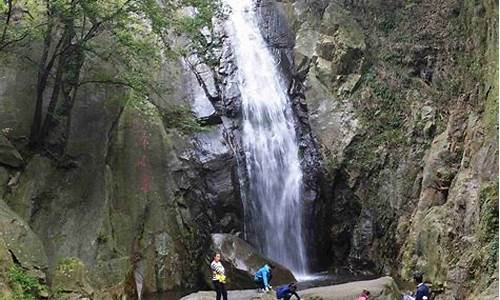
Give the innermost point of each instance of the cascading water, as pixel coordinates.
(270, 145)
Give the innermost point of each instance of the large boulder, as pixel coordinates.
(22, 256)
(242, 261)
(22, 243)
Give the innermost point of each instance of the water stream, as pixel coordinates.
(275, 211)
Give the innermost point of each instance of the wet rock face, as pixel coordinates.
(403, 182)
(241, 261)
(278, 33)
(216, 179)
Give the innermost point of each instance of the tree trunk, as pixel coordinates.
(42, 77)
(57, 124)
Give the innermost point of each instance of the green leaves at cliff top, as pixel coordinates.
(132, 38)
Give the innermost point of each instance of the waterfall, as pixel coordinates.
(269, 140)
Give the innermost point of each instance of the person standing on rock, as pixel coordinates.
(218, 277)
(263, 277)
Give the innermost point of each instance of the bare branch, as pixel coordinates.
(105, 81)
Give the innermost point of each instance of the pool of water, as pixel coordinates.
(325, 279)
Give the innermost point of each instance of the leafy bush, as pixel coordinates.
(488, 224)
(182, 118)
(24, 287)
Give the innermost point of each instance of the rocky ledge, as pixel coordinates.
(383, 288)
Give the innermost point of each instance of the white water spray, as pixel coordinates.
(274, 190)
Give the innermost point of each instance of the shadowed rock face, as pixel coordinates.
(242, 261)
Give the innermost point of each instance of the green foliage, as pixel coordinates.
(33, 25)
(387, 25)
(182, 117)
(133, 39)
(103, 238)
(389, 21)
(24, 287)
(488, 223)
(197, 29)
(489, 213)
(388, 106)
(491, 105)
(384, 114)
(392, 57)
(68, 265)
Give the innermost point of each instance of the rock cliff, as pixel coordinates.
(402, 96)
(396, 107)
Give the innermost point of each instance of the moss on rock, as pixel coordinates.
(70, 279)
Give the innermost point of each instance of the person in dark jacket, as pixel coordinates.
(286, 292)
(422, 292)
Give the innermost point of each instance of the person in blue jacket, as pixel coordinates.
(422, 289)
(286, 291)
(263, 277)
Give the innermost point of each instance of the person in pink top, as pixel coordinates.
(365, 295)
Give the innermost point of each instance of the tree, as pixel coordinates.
(134, 36)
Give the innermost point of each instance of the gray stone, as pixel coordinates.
(383, 288)
(24, 245)
(9, 155)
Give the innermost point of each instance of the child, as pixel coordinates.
(364, 295)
